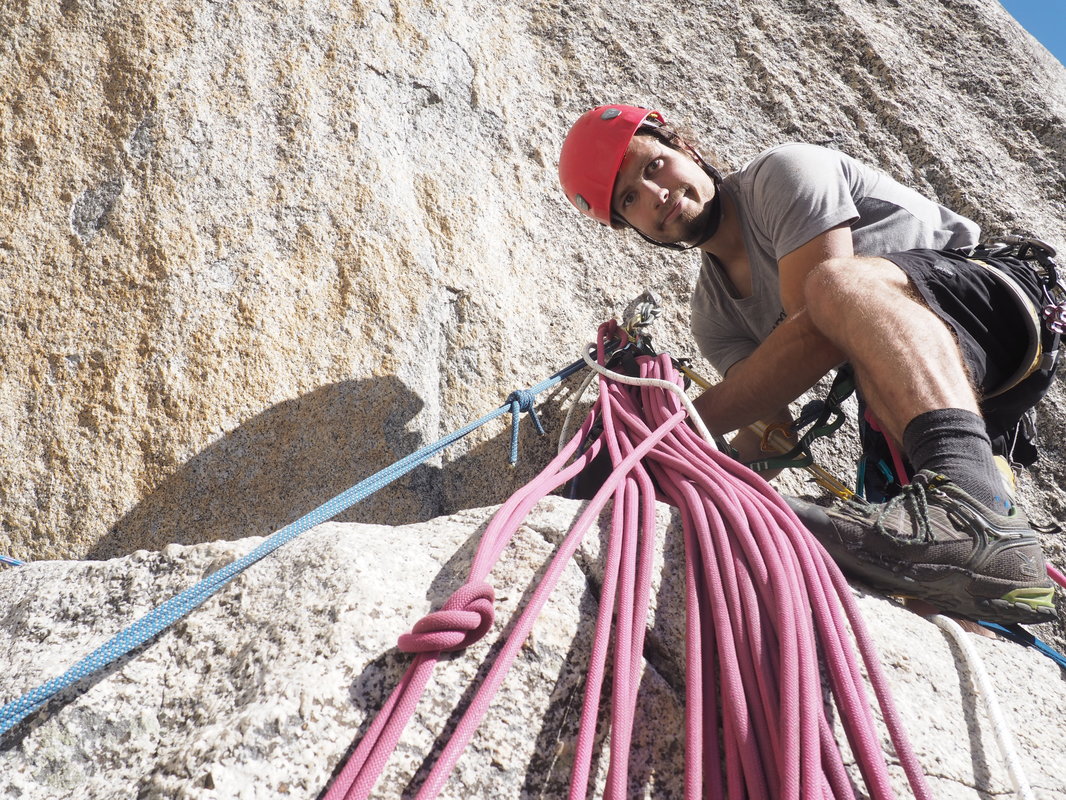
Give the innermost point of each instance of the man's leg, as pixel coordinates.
(909, 368)
(942, 540)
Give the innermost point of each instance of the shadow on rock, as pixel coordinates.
(299, 454)
(286, 462)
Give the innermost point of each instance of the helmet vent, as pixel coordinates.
(611, 113)
(581, 203)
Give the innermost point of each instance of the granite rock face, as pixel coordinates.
(253, 252)
(261, 691)
(250, 253)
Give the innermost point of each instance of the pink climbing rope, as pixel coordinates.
(1056, 575)
(764, 607)
(897, 456)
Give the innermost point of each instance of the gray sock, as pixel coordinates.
(955, 443)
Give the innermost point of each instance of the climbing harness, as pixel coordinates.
(1041, 257)
(1051, 314)
(169, 612)
(882, 471)
(763, 603)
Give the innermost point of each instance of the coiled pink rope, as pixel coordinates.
(763, 604)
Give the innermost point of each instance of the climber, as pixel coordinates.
(810, 260)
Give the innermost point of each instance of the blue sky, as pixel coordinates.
(1045, 20)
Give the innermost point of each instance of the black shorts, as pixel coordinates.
(991, 327)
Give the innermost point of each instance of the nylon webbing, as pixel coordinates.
(1016, 633)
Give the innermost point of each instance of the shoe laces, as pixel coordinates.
(912, 498)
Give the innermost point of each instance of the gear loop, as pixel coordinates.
(464, 618)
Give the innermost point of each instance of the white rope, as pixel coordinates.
(1000, 727)
(667, 385)
(568, 422)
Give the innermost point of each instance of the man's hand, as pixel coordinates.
(794, 357)
(748, 443)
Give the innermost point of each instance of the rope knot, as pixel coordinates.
(521, 400)
(463, 619)
(523, 397)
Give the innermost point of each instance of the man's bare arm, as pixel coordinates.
(793, 358)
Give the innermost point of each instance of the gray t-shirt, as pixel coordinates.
(785, 197)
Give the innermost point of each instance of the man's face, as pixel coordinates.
(662, 192)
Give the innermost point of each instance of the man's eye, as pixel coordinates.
(654, 164)
(628, 198)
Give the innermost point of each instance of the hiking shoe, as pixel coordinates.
(936, 543)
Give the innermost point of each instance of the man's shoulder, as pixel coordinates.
(791, 157)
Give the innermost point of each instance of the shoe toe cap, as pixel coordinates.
(815, 519)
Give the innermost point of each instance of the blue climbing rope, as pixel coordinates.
(169, 612)
(12, 562)
(1016, 633)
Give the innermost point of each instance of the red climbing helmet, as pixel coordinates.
(593, 152)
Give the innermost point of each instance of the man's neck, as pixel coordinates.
(727, 250)
(727, 244)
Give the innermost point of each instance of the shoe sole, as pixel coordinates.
(950, 593)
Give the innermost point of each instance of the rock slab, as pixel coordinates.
(262, 691)
(251, 253)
